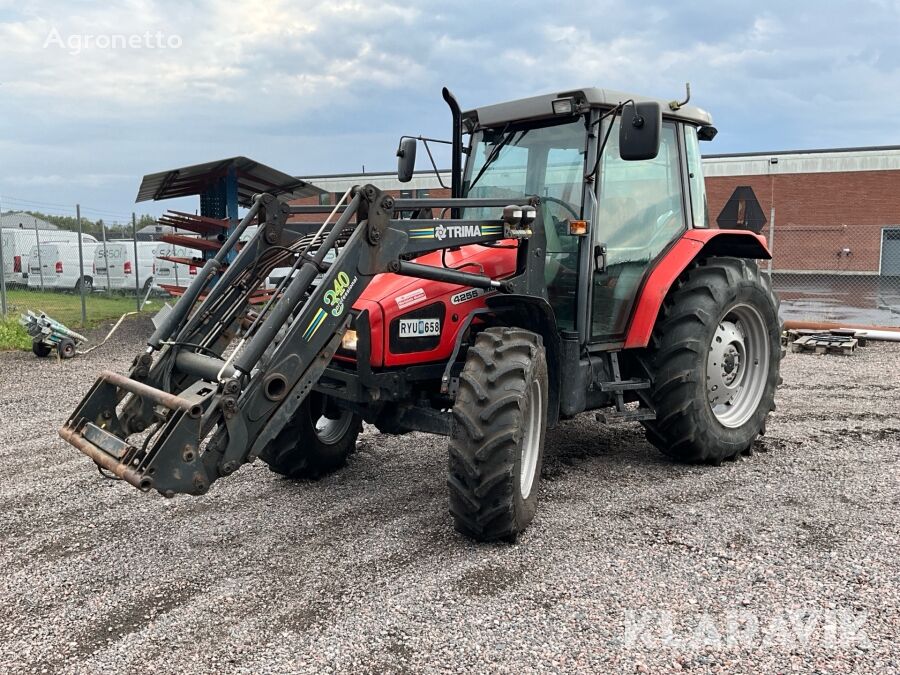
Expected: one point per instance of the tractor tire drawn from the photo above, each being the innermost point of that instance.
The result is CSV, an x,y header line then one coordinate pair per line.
x,y
66,348
40,349
713,362
316,442
497,435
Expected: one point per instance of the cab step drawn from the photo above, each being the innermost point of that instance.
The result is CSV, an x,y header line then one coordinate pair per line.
x,y
639,415
625,385
617,386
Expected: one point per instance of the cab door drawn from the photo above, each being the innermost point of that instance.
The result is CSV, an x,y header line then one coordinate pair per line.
x,y
641,211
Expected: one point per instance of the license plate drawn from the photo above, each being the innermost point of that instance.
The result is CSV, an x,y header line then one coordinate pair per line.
x,y
413,328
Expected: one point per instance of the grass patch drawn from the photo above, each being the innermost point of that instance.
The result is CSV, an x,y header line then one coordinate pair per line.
x,y
65,308
12,335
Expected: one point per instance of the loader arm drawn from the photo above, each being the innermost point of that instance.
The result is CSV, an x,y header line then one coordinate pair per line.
x,y
217,383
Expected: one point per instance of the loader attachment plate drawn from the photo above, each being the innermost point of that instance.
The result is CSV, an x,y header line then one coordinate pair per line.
x,y
103,458
112,445
173,463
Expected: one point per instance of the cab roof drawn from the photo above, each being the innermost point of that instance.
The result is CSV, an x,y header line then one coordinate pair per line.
x,y
537,107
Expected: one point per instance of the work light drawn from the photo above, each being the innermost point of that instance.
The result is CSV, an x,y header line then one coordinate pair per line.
x,y
564,106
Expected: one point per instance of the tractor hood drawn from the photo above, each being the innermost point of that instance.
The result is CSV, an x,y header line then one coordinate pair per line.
x,y
393,291
391,297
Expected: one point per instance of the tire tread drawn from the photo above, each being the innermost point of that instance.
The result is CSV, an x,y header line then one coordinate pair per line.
x,y
675,358
487,430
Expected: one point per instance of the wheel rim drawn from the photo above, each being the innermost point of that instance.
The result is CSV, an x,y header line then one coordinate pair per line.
x,y
330,430
531,442
737,367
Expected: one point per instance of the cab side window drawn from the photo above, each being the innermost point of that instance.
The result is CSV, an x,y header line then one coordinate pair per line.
x,y
699,208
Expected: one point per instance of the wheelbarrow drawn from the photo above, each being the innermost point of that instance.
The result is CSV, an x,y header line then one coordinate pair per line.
x,y
49,335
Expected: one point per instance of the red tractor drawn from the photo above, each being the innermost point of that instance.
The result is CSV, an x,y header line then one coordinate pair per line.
x,y
573,268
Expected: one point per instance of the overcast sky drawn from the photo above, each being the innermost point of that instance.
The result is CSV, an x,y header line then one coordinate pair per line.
x,y
326,87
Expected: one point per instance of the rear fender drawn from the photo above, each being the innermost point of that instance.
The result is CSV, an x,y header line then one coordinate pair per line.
x,y
693,245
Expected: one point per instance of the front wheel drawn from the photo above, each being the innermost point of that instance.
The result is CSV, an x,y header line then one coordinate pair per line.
x,y
497,436
714,359
316,442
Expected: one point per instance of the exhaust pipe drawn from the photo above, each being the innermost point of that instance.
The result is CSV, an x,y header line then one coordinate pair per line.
x,y
456,166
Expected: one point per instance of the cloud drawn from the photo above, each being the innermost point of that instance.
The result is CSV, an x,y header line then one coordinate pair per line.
x,y
56,180
317,87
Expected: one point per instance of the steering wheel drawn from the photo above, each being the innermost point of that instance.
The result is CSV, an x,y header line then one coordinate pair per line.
x,y
559,232
566,205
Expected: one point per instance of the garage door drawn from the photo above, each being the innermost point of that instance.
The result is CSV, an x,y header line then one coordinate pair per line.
x,y
890,252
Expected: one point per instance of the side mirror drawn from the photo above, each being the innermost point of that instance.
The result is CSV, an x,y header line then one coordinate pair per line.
x,y
406,159
639,131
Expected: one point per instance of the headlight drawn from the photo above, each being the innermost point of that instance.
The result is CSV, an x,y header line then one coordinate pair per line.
x,y
349,340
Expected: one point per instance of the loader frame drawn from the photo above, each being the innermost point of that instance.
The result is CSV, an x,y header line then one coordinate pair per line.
x,y
198,413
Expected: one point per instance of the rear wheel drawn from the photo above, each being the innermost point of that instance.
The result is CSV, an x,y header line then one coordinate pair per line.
x,y
40,349
316,442
714,359
497,438
85,284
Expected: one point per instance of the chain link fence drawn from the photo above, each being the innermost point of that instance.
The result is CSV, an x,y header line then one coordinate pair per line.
x,y
81,277
842,274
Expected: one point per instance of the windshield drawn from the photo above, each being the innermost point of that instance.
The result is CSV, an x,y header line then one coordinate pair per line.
x,y
545,160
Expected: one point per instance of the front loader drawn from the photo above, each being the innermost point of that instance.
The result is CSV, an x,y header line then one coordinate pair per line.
x,y
572,268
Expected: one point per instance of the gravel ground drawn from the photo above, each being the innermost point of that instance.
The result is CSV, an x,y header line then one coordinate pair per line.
x,y
783,561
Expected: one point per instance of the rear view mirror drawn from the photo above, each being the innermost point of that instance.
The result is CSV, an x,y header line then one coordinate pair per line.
x,y
639,131
406,159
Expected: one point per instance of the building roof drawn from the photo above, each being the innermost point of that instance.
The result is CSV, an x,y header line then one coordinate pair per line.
x,y
25,221
810,151
819,160
386,180
154,232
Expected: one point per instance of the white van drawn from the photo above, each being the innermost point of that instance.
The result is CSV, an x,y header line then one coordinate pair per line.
x,y
116,263
170,273
174,274
54,266
18,243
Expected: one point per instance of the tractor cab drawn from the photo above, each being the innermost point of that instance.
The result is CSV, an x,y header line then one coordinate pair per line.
x,y
607,221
